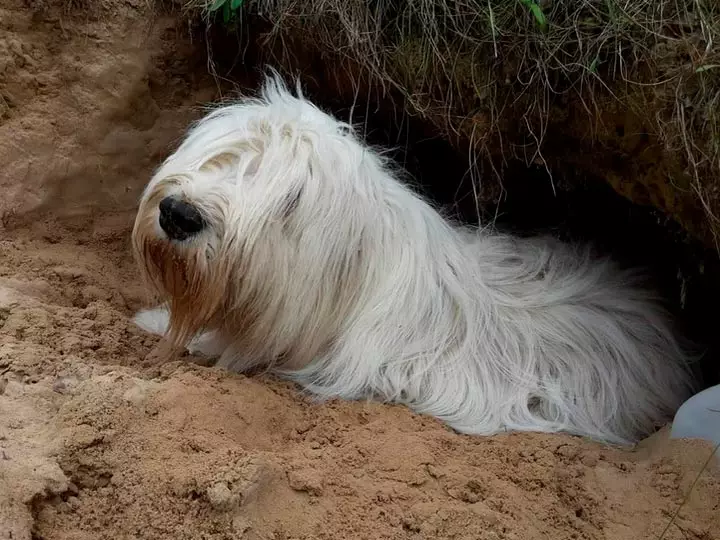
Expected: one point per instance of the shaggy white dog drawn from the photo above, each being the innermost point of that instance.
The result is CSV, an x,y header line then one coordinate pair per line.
x,y
277,238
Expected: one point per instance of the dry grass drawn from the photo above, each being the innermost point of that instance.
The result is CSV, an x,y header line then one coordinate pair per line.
x,y
498,73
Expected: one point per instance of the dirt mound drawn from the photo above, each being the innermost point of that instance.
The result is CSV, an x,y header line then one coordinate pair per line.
x,y
102,438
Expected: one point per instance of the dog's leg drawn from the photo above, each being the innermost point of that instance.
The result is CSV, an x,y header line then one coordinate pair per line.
x,y
157,321
206,344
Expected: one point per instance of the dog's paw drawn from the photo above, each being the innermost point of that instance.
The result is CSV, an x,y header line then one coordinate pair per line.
x,y
206,344
157,321
154,321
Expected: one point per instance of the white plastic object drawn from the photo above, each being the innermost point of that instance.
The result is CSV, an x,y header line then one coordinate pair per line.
x,y
699,417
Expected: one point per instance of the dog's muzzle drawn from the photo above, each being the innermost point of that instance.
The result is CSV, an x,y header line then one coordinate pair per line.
x,y
180,220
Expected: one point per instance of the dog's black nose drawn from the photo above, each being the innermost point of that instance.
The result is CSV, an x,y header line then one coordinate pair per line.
x,y
180,220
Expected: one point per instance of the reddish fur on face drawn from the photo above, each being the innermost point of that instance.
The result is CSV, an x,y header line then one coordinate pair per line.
x,y
179,274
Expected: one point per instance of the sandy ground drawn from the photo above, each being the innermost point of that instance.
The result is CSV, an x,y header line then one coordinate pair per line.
x,y
102,437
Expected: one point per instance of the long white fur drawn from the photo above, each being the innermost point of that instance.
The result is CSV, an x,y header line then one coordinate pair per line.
x,y
362,290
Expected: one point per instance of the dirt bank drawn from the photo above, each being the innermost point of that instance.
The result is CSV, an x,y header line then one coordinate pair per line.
x,y
99,438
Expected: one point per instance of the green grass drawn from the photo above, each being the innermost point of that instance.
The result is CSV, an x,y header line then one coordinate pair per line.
x,y
230,9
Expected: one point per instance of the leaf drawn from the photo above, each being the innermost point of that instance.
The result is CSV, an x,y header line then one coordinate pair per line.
x,y
707,67
227,14
217,4
236,4
594,65
537,12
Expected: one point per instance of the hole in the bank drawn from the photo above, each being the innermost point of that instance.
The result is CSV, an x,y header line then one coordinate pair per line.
x,y
585,209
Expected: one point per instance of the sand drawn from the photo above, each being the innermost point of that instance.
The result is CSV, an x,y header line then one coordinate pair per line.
x,y
103,436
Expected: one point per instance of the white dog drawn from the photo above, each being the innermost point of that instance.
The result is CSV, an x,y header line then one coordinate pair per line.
x,y
277,238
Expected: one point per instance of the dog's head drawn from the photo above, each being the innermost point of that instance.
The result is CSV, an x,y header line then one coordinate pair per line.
x,y
259,213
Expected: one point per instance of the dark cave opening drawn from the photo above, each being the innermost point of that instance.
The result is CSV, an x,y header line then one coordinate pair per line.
x,y
586,209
